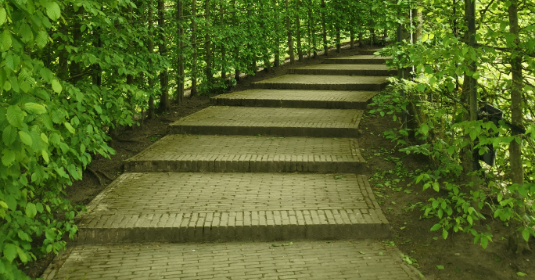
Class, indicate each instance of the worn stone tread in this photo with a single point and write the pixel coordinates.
(208, 153)
(344, 69)
(321, 99)
(270, 121)
(335, 260)
(324, 82)
(357, 59)
(182, 207)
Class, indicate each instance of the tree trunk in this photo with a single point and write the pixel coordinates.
(338, 39)
(276, 51)
(75, 67)
(150, 48)
(518, 244)
(180, 61)
(208, 46)
(194, 46)
(361, 43)
(237, 49)
(165, 105)
(289, 31)
(351, 39)
(223, 51)
(325, 47)
(298, 29)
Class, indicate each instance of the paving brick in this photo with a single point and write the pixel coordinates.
(270, 121)
(345, 69)
(182, 207)
(230, 261)
(357, 59)
(323, 82)
(333, 99)
(183, 153)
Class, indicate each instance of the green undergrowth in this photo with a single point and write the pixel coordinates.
(455, 205)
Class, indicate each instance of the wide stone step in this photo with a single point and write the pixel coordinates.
(186, 207)
(319, 260)
(357, 59)
(345, 69)
(321, 99)
(270, 121)
(323, 82)
(206, 153)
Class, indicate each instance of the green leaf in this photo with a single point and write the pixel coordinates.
(35, 108)
(15, 116)
(525, 234)
(8, 157)
(5, 40)
(25, 138)
(45, 156)
(444, 233)
(436, 186)
(69, 127)
(52, 10)
(31, 211)
(25, 32)
(470, 220)
(521, 274)
(44, 138)
(3, 15)
(9, 135)
(10, 252)
(41, 39)
(435, 227)
(56, 86)
(3, 204)
(22, 255)
(440, 266)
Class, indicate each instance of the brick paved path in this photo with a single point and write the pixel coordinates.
(284, 174)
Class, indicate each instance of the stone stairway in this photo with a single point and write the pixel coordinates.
(278, 163)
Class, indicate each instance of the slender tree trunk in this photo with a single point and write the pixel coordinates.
(150, 48)
(165, 105)
(517, 243)
(351, 39)
(361, 43)
(97, 71)
(194, 90)
(208, 46)
(276, 50)
(267, 63)
(180, 47)
(325, 47)
(75, 67)
(298, 29)
(309, 29)
(223, 51)
(338, 39)
(237, 49)
(289, 32)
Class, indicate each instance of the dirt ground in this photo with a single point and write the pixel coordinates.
(459, 256)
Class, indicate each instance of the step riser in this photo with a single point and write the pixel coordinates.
(288, 103)
(371, 87)
(271, 131)
(236, 233)
(246, 166)
(354, 61)
(343, 72)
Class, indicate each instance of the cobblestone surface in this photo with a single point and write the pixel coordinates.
(270, 121)
(357, 59)
(296, 98)
(335, 260)
(324, 82)
(249, 154)
(345, 69)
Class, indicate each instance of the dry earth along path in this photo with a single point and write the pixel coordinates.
(266, 184)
